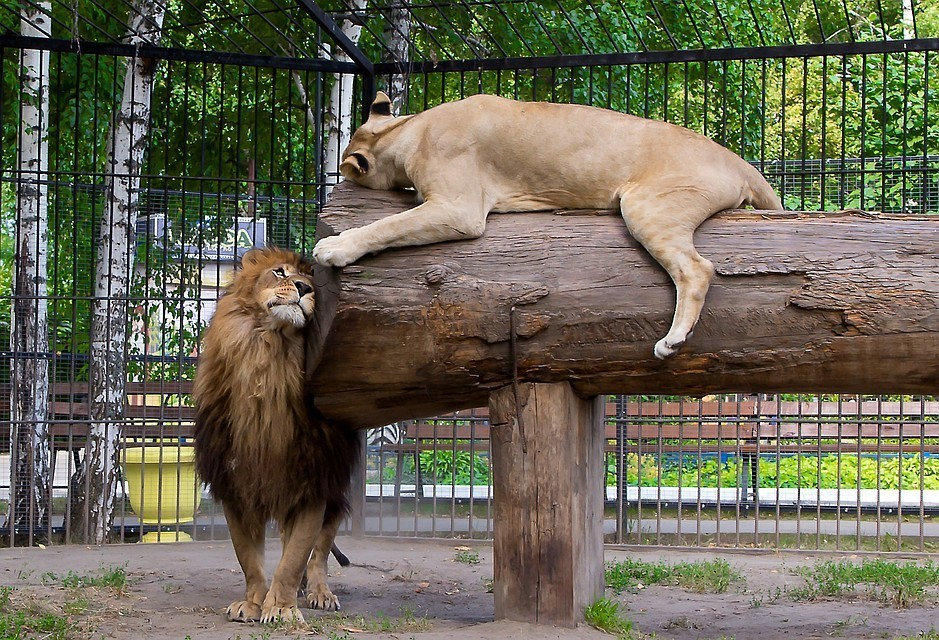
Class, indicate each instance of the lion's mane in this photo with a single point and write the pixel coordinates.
(260, 443)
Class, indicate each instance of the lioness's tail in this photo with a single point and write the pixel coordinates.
(762, 195)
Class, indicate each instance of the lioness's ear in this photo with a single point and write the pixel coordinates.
(355, 166)
(381, 107)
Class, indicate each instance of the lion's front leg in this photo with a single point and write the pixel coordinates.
(247, 537)
(299, 533)
(437, 220)
(318, 594)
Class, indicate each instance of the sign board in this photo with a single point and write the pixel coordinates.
(224, 244)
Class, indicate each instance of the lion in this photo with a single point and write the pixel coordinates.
(488, 154)
(261, 445)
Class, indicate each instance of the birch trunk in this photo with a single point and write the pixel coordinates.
(397, 37)
(29, 471)
(909, 30)
(93, 508)
(338, 116)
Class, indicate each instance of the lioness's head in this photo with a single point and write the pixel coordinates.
(361, 160)
(277, 286)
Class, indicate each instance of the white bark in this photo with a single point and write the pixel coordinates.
(115, 260)
(338, 116)
(908, 31)
(397, 39)
(29, 471)
(304, 98)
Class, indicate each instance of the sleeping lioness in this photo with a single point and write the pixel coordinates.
(486, 153)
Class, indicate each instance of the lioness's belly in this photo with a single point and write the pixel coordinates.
(542, 200)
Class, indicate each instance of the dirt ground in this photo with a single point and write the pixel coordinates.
(181, 590)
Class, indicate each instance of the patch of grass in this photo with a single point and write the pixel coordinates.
(605, 615)
(899, 584)
(467, 556)
(932, 634)
(681, 622)
(112, 578)
(264, 635)
(704, 576)
(27, 618)
(77, 605)
(770, 597)
(340, 623)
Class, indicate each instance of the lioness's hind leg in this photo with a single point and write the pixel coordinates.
(665, 225)
(247, 537)
(299, 533)
(318, 594)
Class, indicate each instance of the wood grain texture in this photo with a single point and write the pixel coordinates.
(547, 457)
(835, 302)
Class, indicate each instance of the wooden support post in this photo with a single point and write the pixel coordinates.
(547, 458)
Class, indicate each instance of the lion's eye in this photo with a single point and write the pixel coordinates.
(280, 273)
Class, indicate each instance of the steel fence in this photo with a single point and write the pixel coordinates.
(243, 137)
(779, 472)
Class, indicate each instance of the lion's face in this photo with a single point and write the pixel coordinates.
(279, 284)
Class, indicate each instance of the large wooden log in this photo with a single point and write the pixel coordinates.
(840, 302)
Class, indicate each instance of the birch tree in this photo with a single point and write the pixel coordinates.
(96, 478)
(397, 39)
(29, 470)
(338, 116)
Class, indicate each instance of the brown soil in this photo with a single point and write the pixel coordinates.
(180, 590)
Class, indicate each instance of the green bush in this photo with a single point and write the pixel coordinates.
(828, 471)
(455, 467)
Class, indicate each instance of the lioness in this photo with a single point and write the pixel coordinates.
(264, 449)
(486, 153)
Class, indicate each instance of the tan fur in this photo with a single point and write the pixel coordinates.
(262, 447)
(486, 153)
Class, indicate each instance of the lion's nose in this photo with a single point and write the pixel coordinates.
(302, 287)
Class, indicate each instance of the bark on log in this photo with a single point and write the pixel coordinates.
(802, 302)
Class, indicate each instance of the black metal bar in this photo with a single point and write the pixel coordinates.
(336, 34)
(659, 57)
(186, 55)
(368, 93)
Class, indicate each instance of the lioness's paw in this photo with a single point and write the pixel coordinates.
(281, 614)
(665, 348)
(243, 611)
(320, 597)
(335, 251)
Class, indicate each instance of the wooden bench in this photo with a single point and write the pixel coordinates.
(152, 409)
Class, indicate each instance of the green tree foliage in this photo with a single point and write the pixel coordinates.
(215, 126)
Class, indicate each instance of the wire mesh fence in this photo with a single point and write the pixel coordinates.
(772, 472)
(244, 127)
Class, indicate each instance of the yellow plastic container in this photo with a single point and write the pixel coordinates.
(162, 487)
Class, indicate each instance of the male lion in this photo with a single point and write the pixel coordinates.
(486, 153)
(260, 443)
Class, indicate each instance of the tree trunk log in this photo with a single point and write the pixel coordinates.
(802, 302)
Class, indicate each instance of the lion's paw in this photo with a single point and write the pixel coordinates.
(320, 597)
(281, 614)
(243, 611)
(336, 251)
